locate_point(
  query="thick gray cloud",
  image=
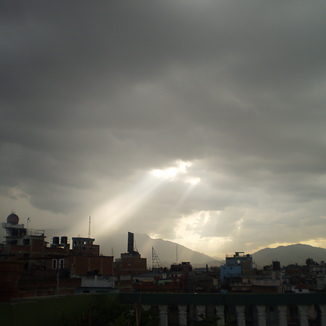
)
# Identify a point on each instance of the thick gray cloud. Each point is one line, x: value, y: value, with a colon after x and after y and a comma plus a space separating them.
x: 95, y: 96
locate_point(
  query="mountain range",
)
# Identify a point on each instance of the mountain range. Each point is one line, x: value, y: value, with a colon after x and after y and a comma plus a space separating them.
x: 169, y: 252
x: 286, y: 255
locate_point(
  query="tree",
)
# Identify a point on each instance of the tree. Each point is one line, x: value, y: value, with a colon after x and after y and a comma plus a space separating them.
x: 310, y: 262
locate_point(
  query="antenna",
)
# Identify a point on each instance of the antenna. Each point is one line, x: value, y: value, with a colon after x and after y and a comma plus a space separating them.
x: 156, y: 264
x: 28, y: 220
x: 176, y: 253
x: 89, y: 227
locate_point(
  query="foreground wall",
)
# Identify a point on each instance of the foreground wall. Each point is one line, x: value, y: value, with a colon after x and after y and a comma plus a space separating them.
x: 50, y: 311
x: 246, y: 309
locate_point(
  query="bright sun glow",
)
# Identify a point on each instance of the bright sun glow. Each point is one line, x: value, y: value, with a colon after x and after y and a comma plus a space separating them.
x: 193, y: 181
x: 193, y: 232
x: 118, y: 210
x: 171, y: 173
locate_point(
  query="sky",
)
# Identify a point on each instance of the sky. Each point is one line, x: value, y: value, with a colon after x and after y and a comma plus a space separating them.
x: 200, y: 122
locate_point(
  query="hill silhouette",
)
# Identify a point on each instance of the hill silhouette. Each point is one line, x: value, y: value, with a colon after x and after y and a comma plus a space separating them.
x: 168, y: 252
x: 286, y: 255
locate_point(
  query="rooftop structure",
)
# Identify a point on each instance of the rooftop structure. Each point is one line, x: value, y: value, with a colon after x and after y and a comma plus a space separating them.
x: 236, y: 266
x: 48, y: 269
x: 128, y: 265
x: 17, y: 234
x: 85, y: 246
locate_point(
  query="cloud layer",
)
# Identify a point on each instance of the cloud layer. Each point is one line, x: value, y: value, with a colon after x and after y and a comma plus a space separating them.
x: 94, y: 97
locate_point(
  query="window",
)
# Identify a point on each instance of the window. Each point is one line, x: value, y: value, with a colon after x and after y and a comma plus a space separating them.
x: 54, y: 264
x: 61, y: 263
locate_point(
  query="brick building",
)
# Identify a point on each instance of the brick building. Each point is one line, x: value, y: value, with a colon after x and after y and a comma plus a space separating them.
x: 48, y: 269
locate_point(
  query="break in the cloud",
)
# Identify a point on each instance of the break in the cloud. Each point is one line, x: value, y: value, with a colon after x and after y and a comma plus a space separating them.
x: 224, y: 100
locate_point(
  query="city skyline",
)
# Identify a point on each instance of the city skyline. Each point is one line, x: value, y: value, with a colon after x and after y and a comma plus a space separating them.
x: 197, y: 122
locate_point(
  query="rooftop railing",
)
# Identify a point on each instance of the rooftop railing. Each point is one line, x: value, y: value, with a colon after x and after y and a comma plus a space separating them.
x: 35, y: 232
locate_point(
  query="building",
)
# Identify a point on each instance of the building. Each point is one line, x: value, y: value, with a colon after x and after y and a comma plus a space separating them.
x: 48, y: 269
x: 173, y: 280
x: 236, y: 267
x: 128, y: 266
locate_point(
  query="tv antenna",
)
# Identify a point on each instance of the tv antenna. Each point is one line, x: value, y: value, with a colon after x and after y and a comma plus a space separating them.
x: 28, y: 220
x: 89, y: 227
x: 156, y: 263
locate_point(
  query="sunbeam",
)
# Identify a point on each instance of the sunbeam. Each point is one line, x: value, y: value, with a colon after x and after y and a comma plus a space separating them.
x: 116, y: 211
x: 111, y: 215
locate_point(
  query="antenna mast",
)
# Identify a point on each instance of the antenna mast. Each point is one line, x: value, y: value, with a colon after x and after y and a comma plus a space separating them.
x: 156, y: 264
x: 89, y: 227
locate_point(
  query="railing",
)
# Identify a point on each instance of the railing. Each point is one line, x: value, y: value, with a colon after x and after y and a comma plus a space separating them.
x: 174, y: 309
x: 244, y: 309
x: 35, y: 232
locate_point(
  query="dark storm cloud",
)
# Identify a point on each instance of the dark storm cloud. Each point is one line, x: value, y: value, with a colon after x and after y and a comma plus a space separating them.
x: 93, y: 96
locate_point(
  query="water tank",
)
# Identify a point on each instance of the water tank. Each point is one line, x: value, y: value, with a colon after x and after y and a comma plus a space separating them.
x: 55, y: 240
x: 13, y: 219
x: 64, y: 240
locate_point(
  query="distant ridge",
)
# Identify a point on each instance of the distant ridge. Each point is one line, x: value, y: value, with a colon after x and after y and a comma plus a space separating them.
x: 286, y: 255
x: 168, y: 252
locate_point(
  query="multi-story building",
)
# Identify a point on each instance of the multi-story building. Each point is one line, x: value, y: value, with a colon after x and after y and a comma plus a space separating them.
x: 240, y: 275
x: 47, y: 269
x: 128, y: 266
x: 236, y: 267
